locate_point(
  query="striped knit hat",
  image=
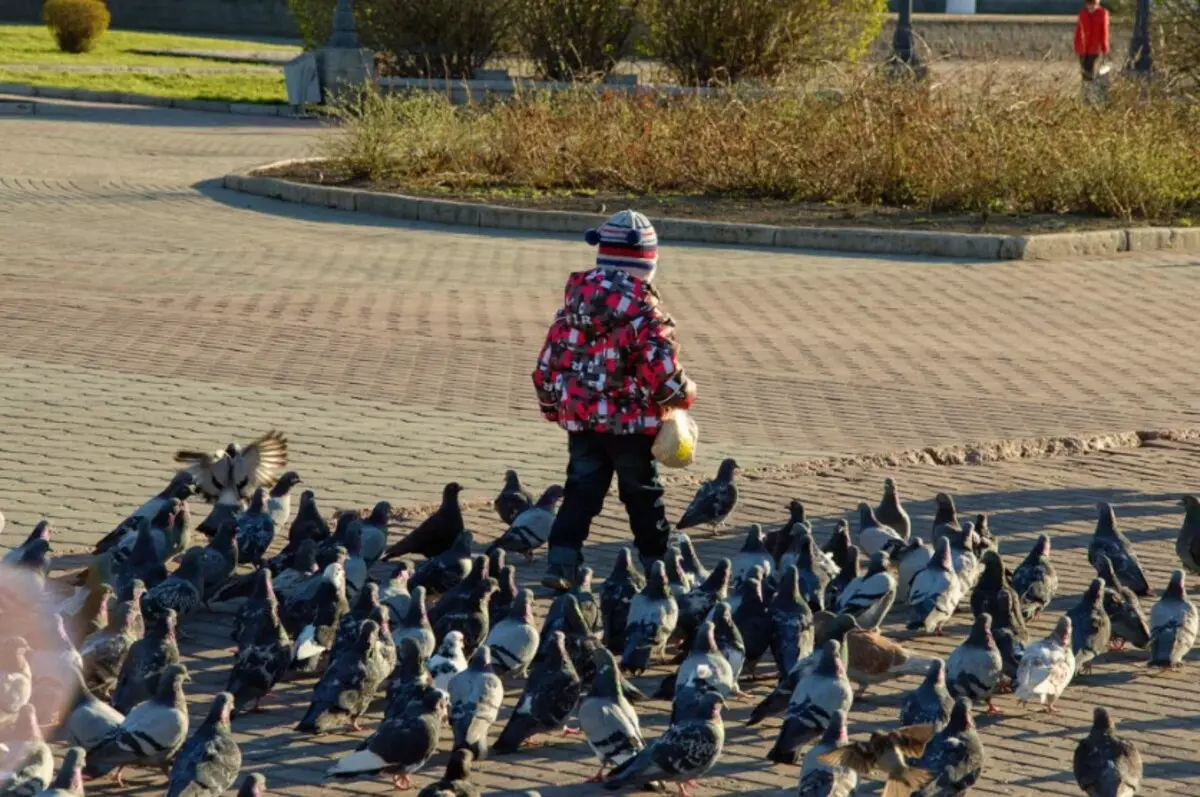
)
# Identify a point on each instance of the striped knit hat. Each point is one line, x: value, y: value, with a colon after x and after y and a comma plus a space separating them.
x: 627, y: 241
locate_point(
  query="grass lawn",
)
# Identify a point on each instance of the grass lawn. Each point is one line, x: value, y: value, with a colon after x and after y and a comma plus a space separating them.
x: 231, y: 87
x: 33, y: 44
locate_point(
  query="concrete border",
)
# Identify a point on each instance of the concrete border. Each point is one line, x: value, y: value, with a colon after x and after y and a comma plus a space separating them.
x: 147, y: 100
x: 961, y: 246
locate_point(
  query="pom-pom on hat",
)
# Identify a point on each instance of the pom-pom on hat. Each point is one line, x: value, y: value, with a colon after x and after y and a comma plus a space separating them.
x: 626, y: 241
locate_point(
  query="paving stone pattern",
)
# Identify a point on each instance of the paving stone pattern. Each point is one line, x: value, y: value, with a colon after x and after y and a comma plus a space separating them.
x: 143, y: 308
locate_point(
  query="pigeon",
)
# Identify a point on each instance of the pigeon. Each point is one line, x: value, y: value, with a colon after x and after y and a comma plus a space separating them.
x: 262, y: 660
x: 143, y: 562
x: 255, y: 529
x: 754, y: 622
x: 791, y: 623
x: 16, y: 678
x: 438, y: 533
x: 870, y: 657
x: 29, y: 761
x: 935, y: 593
x: 813, y: 578
x: 513, y: 499
x: 1047, y: 667
x: 1010, y: 638
x: 355, y: 566
x: 944, y: 517
x: 691, y: 560
x: 695, y: 605
x: 714, y: 501
x: 506, y: 593
x: 459, y: 595
x: 818, y: 779
x: 1109, y: 541
x: 258, y: 608
x: 448, y: 661
x: 1106, y: 764
x: 888, y: 754
x: 445, y: 570
x: 974, y: 668
x: 181, y: 592
x: 476, y: 694
x: 838, y: 546
x: 409, y: 679
x: 209, y: 761
x: 230, y: 476
x: 104, y: 652
x: 317, y: 635
x: 347, y: 686
x: 1035, y: 580
x: 253, y: 785
x: 218, y: 562
x: 992, y: 581
x: 817, y: 695
x: 121, y: 539
x: 653, y: 614
x: 148, y: 659
x: 551, y: 692
x: 962, y: 554
x: 530, y: 529
x: 848, y: 573
x: 753, y: 555
x: 308, y: 525
x: 1091, y: 630
x: 152, y: 733
x: 615, y: 596
x: 607, y: 719
x: 456, y: 781
x: 1187, y: 545
x: 678, y: 581
x: 1173, y: 625
x: 779, y: 542
x: 954, y: 756
x: 1124, y: 610
x: 869, y: 598
x: 395, y: 595
x: 470, y: 620
x: 327, y: 551
x: 705, y: 653
x: 85, y: 611
x: 685, y: 752
x: 181, y: 487
x: 402, y: 745
x: 375, y: 532
x: 415, y: 625
x: 874, y: 536
x: 890, y: 513
x: 362, y: 610
x: 89, y: 720
x: 279, y: 499
x: 514, y: 641
x: 930, y: 703
x: 588, y: 606
x: 728, y: 637
x: 31, y: 545
x: 69, y: 780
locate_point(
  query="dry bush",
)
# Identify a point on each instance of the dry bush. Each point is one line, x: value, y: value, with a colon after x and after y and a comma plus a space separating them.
x: 996, y: 147
x: 1177, y: 24
x: 720, y: 41
x: 76, y: 24
x: 575, y: 39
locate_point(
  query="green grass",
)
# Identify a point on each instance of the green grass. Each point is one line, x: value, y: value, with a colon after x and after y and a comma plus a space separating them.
x: 33, y: 44
x: 226, y: 87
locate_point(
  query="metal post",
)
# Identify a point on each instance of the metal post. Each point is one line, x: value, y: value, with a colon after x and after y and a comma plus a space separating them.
x: 345, y: 33
x: 903, y: 48
x: 1140, y: 60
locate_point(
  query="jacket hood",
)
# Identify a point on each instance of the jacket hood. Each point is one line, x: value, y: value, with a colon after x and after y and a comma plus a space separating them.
x: 603, y: 299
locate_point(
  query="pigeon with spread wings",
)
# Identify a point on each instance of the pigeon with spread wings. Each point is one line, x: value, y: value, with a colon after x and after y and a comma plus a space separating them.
x: 231, y: 476
x: 887, y: 754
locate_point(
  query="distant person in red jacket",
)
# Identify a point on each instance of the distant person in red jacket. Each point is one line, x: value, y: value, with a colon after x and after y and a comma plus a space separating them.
x: 1091, y: 37
x: 608, y: 373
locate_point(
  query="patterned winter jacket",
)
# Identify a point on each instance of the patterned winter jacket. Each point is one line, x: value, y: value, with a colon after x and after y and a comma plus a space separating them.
x: 610, y: 360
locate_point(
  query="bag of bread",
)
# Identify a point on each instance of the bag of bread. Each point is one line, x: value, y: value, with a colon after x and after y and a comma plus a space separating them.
x: 675, y: 445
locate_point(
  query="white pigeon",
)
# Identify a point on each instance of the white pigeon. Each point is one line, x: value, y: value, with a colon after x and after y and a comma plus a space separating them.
x: 1047, y: 667
x: 449, y: 660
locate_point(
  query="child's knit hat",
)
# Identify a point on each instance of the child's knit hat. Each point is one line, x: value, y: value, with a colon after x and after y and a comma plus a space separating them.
x: 628, y: 242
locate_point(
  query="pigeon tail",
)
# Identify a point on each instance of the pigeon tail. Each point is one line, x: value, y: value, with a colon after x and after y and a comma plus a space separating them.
x: 519, y: 728
x: 772, y: 705
x: 316, y: 720
x: 916, y: 665
x: 361, y: 762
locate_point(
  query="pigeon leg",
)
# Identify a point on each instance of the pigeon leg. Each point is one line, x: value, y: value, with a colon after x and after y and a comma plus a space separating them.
x: 740, y: 695
x: 991, y: 708
x: 355, y: 725
x: 402, y: 782
x: 118, y: 777
x: 684, y: 788
x: 1116, y: 645
x: 570, y: 731
x: 597, y: 778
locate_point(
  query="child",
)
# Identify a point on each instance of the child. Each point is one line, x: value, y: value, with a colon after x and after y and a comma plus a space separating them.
x: 1091, y: 37
x: 607, y: 374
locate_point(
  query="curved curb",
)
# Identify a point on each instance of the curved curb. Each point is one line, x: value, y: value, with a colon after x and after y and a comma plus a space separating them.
x: 961, y: 246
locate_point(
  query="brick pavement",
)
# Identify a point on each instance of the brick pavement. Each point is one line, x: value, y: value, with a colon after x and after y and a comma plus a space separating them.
x: 142, y: 309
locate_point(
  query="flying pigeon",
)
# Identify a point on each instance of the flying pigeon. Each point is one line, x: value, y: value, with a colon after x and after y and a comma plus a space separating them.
x: 1047, y: 667
x: 615, y: 596
x: 1035, y: 580
x: 1109, y: 541
x: 653, y: 614
x: 930, y: 703
x: 255, y: 529
x: 415, y: 625
x: 514, y: 641
x: 401, y: 746
x: 209, y: 761
x: 437, y: 533
x: 152, y: 733
x: 348, y: 685
x: 1173, y: 625
x: 476, y: 694
x: 818, y: 779
x: 1091, y: 630
x: 685, y: 752
x: 607, y: 719
x: 869, y: 598
x: 888, y: 754
x: 231, y: 475
x: 954, y: 756
x: 29, y: 761
x: 551, y: 692
x: 1124, y: 610
x: 513, y: 499
x: 974, y: 668
x: 148, y: 659
x: 816, y: 697
x: 1106, y: 764
x: 714, y: 501
x: 530, y: 529
x: 873, y: 535
x: 935, y: 592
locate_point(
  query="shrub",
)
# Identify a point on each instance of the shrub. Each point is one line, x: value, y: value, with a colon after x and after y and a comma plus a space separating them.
x: 1178, y: 39
x: 314, y: 19
x: 719, y: 41
x: 76, y: 24
x: 439, y: 38
x: 575, y: 39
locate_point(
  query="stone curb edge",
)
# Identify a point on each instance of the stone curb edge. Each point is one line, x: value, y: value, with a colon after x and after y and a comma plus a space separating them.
x: 126, y: 98
x: 965, y: 246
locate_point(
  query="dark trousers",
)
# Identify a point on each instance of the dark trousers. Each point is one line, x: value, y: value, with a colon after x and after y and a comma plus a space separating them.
x: 1088, y: 64
x: 594, y: 458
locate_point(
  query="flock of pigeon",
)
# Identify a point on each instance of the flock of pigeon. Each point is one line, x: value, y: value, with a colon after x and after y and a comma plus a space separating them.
x: 432, y: 641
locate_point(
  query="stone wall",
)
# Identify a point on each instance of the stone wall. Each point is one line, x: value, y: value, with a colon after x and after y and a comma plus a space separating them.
x: 268, y: 18
x: 996, y: 36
